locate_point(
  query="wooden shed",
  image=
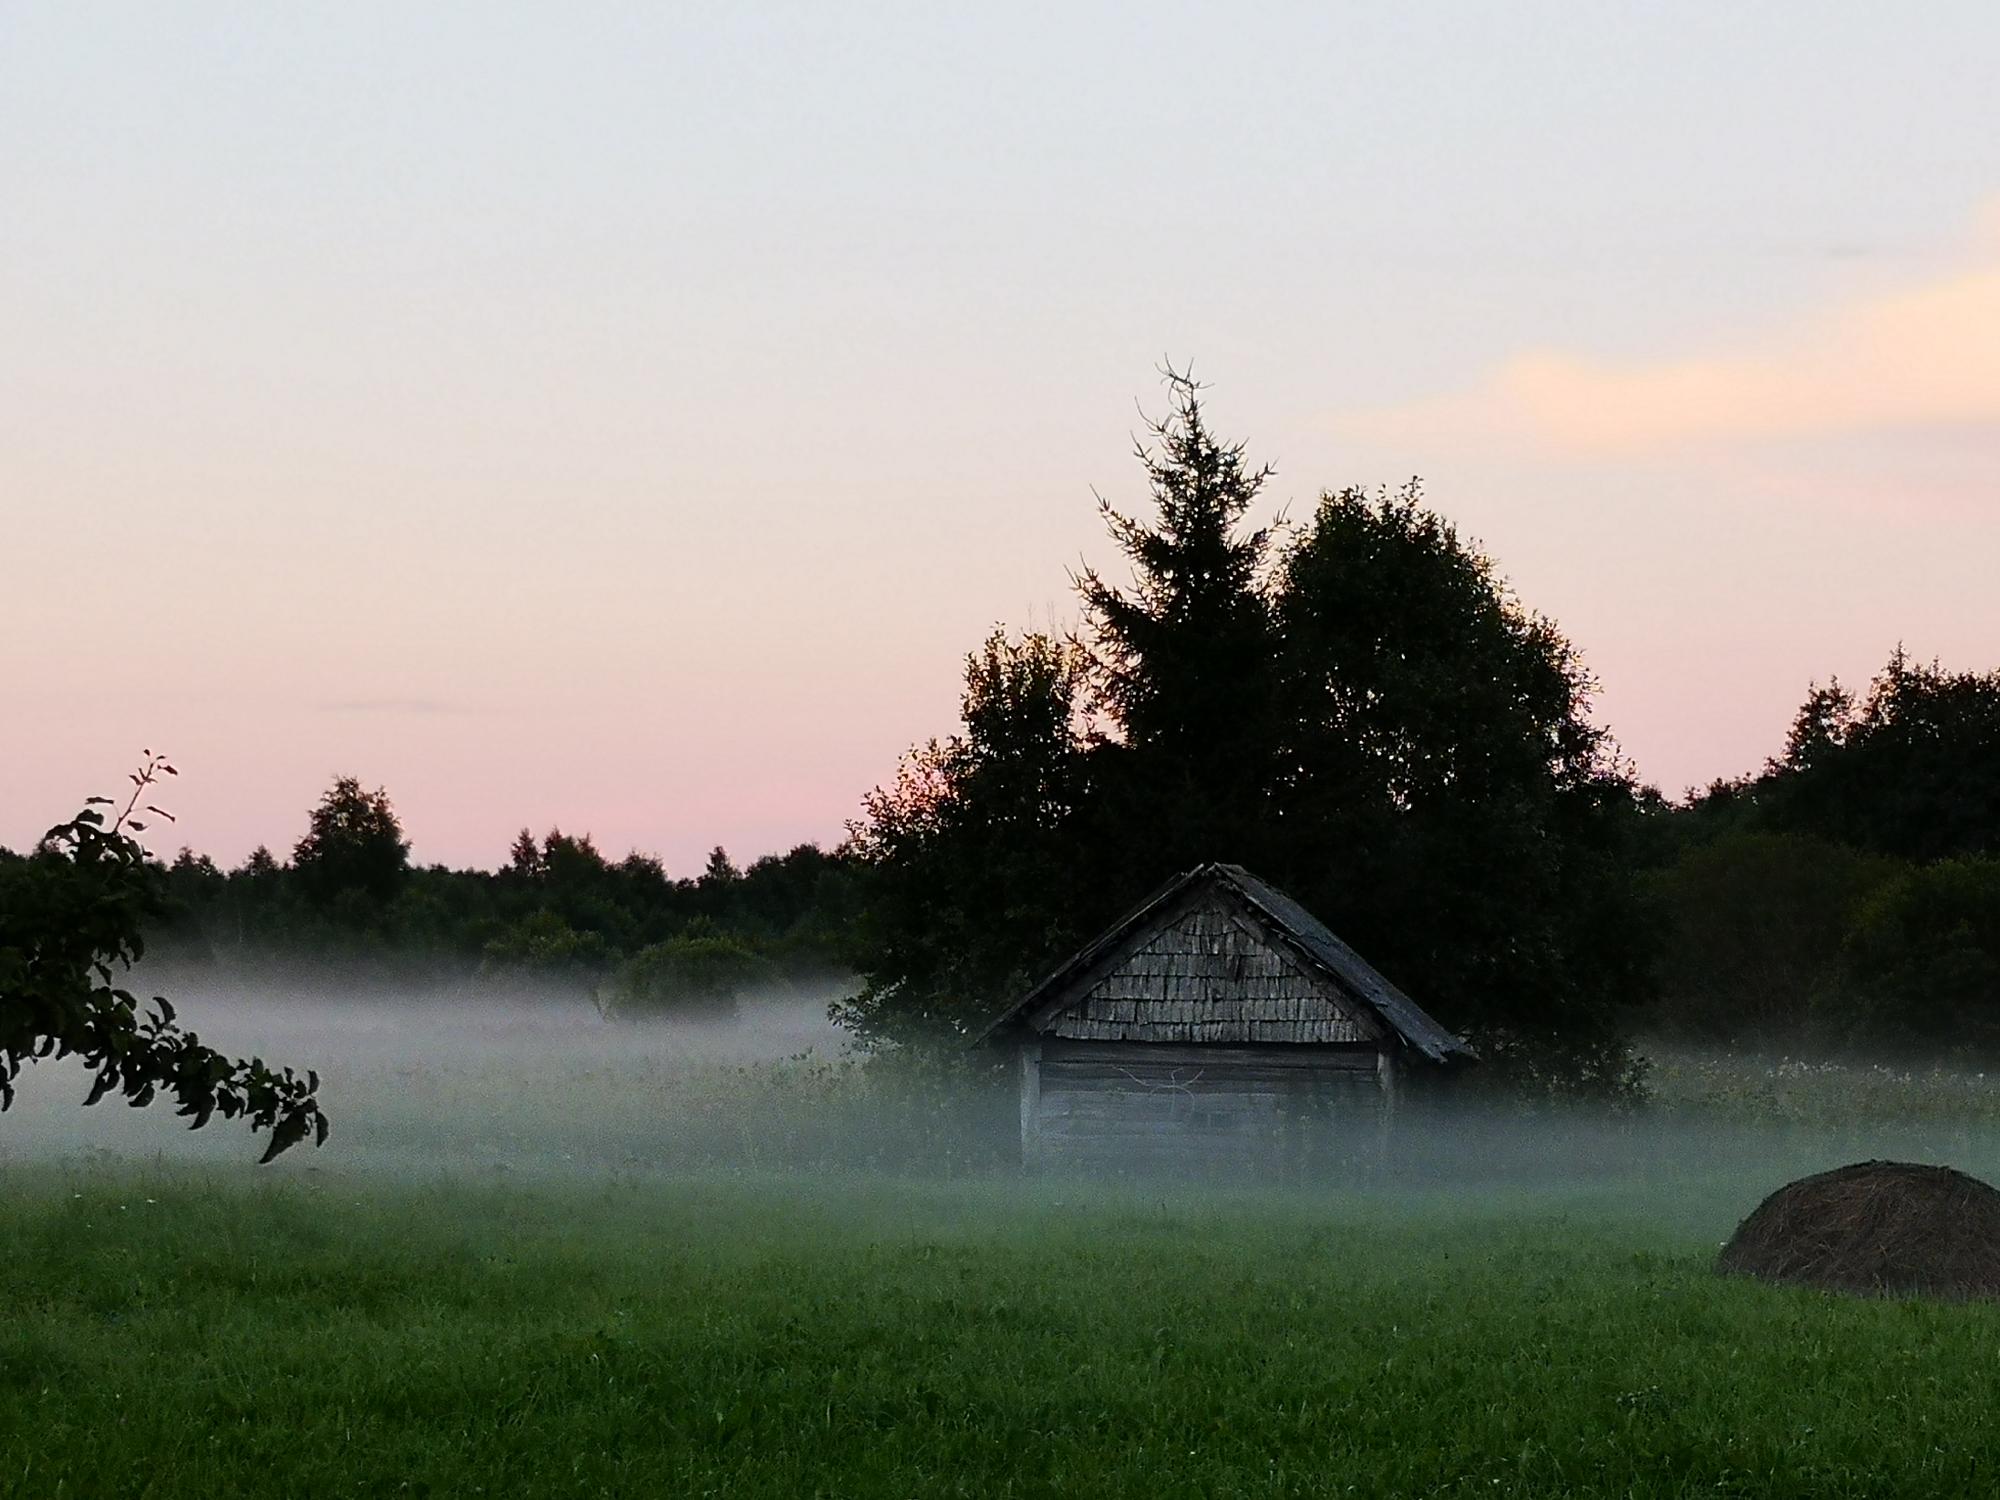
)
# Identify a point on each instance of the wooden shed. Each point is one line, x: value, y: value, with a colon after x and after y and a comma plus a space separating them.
x: 1218, y: 1025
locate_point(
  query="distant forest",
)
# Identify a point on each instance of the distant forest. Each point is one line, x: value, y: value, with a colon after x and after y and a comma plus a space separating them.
x: 1849, y: 892
x: 1356, y: 706
x: 559, y: 918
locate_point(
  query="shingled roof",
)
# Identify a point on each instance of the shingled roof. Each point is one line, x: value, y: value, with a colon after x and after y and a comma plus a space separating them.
x: 1294, y: 926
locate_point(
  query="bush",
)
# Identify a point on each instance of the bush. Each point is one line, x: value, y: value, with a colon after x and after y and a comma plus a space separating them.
x: 1751, y: 931
x: 1923, y: 960
x: 702, y: 972
x: 544, y: 946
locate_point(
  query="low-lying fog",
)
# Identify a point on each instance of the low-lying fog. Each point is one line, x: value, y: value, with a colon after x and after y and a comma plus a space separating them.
x: 560, y: 1028
x: 485, y: 1085
x: 505, y: 1080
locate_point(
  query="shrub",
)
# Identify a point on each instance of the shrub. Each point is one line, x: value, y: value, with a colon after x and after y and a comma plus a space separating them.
x: 1751, y: 930
x: 702, y: 972
x: 1922, y: 960
x: 543, y: 945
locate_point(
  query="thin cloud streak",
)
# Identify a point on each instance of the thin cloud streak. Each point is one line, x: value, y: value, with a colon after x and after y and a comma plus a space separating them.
x: 1923, y: 357
x: 412, y: 706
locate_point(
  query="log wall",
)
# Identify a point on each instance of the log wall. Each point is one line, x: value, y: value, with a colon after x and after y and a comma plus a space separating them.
x: 1133, y: 1107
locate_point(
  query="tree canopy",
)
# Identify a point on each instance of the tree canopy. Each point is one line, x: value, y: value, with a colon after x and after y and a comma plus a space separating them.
x: 1911, y: 770
x: 1358, y: 709
x: 72, y: 920
x: 1845, y: 893
x: 1183, y: 663
x: 354, y: 846
x: 972, y: 878
x: 1447, y: 802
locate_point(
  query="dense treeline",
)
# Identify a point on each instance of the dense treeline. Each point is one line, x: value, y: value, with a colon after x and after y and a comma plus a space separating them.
x: 349, y: 904
x: 1848, y: 893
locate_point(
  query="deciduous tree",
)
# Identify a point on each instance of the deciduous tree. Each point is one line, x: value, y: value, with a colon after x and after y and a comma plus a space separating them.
x: 71, y: 927
x: 1447, y: 801
x: 971, y: 875
x: 353, y: 846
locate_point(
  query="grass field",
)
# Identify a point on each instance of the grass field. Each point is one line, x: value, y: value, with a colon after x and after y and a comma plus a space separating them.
x: 202, y: 1331
x: 544, y: 1259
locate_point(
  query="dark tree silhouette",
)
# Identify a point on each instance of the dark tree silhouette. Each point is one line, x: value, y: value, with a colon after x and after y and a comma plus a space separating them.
x: 524, y: 857
x: 71, y: 920
x: 353, y: 846
x: 971, y: 875
x: 1448, y: 804
x: 1912, y: 770
x: 1183, y: 663
x: 1368, y: 717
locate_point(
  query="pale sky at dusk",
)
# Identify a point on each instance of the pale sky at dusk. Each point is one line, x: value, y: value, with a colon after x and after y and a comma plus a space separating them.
x: 627, y: 416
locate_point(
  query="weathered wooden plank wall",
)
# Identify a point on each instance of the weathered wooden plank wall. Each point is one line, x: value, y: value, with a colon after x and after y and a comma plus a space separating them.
x: 1208, y: 1044
x: 1211, y: 976
x: 1115, y: 1106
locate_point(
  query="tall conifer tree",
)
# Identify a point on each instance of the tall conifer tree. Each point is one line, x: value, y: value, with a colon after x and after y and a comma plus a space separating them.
x: 1183, y: 662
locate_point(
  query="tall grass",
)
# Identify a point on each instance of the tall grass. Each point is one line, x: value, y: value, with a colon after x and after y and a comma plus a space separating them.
x: 1787, y: 1088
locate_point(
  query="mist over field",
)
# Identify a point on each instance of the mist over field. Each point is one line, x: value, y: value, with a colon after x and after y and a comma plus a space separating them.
x: 424, y: 1082
x: 543, y: 1252
x: 463, y: 1087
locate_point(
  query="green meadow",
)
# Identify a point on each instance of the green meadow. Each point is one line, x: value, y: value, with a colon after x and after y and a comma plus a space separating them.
x: 206, y: 1330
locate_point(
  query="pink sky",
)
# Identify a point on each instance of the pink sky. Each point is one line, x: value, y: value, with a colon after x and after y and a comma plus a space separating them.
x: 630, y: 426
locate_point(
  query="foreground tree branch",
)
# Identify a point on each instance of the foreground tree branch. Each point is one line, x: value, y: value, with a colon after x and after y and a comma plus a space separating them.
x: 71, y: 926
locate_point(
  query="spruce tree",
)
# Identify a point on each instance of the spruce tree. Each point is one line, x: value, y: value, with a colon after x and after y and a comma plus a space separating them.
x: 1183, y: 662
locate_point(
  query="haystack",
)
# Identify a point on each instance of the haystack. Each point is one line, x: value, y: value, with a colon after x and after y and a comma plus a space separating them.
x: 1876, y: 1227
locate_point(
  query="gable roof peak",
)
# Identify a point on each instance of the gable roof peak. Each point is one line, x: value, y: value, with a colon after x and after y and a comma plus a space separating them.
x: 1304, y: 932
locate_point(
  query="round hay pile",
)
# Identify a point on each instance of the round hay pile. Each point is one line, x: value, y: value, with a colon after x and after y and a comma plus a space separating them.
x: 1875, y: 1227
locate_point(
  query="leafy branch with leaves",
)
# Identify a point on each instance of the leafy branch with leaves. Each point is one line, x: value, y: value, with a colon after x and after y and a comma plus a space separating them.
x: 71, y: 928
